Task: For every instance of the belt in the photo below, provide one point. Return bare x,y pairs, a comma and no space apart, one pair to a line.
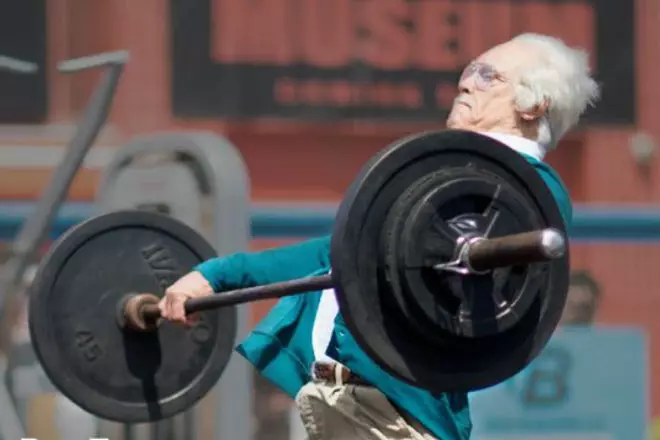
335,373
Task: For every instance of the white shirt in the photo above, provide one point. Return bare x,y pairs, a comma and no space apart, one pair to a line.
519,144
328,307
323,324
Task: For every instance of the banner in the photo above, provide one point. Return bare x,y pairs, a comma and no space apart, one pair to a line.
586,385
375,59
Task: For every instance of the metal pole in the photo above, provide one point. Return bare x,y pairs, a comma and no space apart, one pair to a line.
34,230
17,66
10,422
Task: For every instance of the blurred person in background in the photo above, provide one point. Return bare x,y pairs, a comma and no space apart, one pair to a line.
582,300
527,93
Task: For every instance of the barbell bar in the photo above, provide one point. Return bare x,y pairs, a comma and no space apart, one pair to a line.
141,311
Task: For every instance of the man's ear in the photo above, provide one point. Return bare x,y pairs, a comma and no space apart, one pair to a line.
536,112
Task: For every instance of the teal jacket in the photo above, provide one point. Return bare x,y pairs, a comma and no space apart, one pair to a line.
280,347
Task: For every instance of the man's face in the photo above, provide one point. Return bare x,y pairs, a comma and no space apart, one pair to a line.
580,306
486,100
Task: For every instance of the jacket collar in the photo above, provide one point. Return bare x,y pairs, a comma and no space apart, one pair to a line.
519,144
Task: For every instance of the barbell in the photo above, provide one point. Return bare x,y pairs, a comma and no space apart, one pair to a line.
449,264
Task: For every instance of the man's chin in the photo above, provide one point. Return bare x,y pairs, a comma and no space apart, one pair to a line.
453,124
459,125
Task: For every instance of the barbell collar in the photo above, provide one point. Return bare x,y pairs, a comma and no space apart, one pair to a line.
133,312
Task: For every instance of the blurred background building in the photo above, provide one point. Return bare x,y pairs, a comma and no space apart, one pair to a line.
307,90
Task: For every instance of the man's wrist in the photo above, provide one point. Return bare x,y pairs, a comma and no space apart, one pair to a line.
211,271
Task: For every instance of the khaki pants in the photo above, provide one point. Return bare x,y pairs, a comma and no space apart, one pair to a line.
353,412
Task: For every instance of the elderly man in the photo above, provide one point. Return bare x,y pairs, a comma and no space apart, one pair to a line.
526,93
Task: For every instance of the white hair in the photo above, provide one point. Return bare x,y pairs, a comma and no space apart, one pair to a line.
562,78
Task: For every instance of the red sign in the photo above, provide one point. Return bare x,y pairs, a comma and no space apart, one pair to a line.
428,35
392,59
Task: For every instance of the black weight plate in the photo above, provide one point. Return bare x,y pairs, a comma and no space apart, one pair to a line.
434,358
125,375
423,228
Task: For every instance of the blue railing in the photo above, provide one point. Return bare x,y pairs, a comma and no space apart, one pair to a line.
602,223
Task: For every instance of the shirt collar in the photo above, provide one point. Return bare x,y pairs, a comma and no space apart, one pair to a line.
520,144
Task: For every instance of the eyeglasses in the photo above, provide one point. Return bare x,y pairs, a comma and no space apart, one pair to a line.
485,74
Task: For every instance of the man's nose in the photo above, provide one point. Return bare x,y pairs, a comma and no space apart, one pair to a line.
466,84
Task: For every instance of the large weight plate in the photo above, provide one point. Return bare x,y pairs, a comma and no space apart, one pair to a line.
401,215
423,228
117,374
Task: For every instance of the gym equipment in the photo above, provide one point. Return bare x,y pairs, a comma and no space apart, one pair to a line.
11,423
449,262
34,231
11,64
198,178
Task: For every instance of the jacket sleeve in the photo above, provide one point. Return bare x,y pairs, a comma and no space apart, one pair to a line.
560,192
248,269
